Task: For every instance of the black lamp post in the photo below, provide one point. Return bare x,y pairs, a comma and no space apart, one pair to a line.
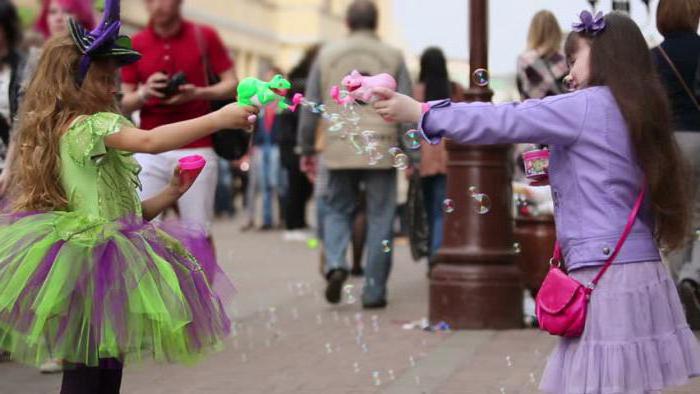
622,6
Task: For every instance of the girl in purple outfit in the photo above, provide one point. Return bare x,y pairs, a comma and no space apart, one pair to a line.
607,140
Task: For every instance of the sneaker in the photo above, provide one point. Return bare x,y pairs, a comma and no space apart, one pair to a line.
688,291
336,278
51,366
295,236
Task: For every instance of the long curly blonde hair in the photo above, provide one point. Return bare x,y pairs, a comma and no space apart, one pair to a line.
52,101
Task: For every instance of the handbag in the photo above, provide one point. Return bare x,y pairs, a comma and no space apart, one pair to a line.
229,144
562,301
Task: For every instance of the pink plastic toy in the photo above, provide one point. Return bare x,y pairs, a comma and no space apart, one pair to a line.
335,95
190,167
537,164
360,87
296,101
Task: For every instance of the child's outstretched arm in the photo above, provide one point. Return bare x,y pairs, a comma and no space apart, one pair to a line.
155,205
554,120
177,135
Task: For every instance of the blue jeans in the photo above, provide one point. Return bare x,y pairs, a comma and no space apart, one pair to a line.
223,201
341,201
434,194
267,169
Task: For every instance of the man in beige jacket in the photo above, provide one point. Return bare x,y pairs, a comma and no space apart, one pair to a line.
348,172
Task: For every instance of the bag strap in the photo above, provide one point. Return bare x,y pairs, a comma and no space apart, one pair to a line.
551,74
680,77
203,53
628,228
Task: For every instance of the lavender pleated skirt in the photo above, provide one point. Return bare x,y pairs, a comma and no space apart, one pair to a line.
636,339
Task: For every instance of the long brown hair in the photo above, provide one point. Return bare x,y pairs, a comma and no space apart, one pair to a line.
544,34
52,100
621,60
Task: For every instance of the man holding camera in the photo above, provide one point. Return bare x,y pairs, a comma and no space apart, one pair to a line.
172,83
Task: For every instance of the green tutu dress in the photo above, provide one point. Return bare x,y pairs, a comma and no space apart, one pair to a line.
97,281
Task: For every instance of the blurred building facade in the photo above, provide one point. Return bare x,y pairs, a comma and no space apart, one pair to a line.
262,33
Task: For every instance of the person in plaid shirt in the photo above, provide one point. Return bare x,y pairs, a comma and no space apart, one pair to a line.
542,68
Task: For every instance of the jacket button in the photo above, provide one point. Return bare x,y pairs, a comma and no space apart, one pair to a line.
606,251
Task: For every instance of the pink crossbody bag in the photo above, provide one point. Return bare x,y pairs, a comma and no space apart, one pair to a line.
562,301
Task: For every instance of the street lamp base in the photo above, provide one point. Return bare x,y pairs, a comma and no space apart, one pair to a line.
476,296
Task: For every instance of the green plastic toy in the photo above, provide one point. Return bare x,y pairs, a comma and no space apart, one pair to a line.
252,91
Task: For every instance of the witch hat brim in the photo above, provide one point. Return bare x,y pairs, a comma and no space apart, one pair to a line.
107,44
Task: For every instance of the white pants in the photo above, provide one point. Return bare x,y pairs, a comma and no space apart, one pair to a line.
197,205
685,262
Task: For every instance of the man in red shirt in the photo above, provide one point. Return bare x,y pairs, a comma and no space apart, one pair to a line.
171,45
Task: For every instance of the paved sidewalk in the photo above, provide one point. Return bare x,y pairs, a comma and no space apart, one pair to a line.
288,340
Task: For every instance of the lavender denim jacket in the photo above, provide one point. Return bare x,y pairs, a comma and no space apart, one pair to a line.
593,171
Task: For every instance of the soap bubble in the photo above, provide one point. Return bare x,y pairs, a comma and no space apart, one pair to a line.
569,83
336,127
369,136
358,144
352,117
482,203
376,378
386,246
516,248
448,206
411,139
349,296
401,161
374,154
481,77
395,151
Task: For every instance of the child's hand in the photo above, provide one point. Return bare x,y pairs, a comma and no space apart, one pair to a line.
236,116
396,107
179,184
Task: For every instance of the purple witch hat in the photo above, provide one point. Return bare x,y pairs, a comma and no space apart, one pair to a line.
104,41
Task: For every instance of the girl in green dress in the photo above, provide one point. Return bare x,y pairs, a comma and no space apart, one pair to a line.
84,277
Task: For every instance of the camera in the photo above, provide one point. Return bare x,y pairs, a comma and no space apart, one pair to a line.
174,82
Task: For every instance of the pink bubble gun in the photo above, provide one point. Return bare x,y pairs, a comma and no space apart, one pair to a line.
360,87
190,167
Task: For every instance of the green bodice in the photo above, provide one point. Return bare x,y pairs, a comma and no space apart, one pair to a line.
99,181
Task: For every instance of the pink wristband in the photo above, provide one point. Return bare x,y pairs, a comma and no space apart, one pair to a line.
425,107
